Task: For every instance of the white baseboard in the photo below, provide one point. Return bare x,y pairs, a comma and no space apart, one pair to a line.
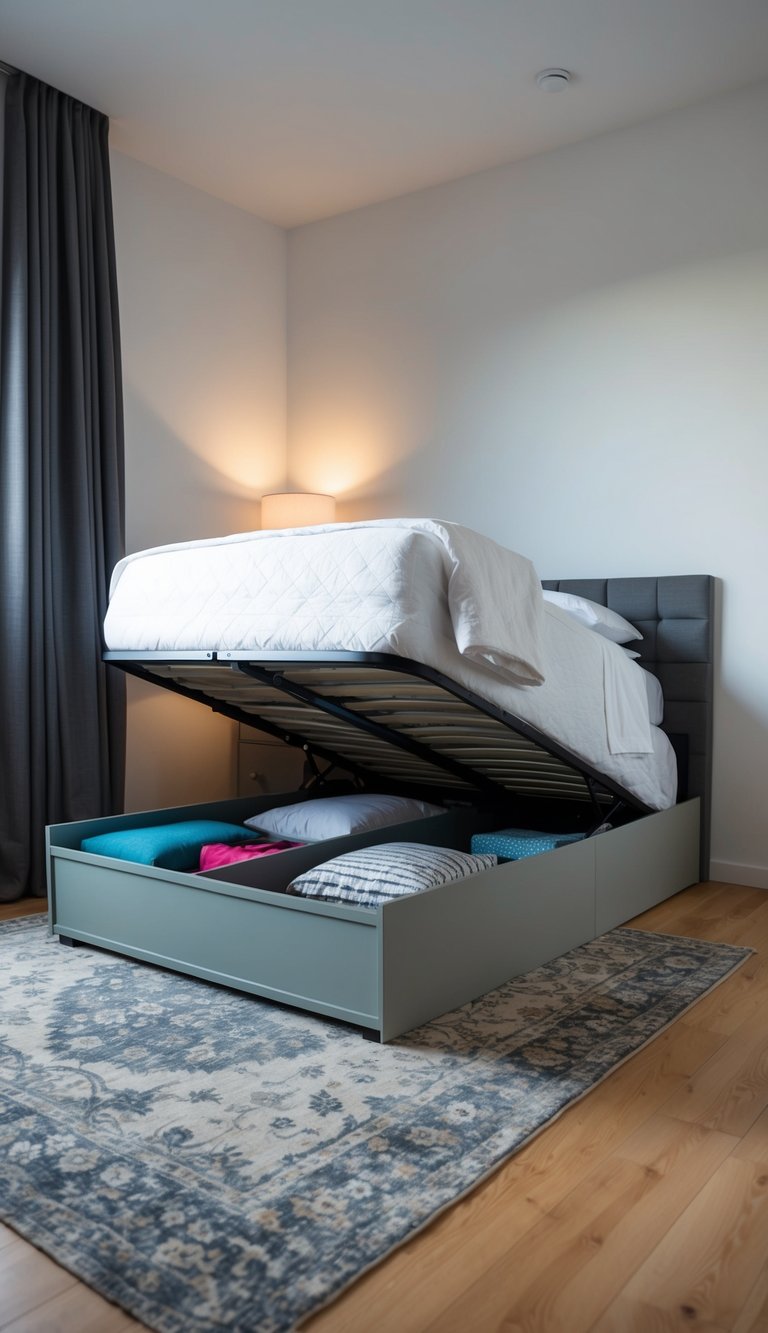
731,872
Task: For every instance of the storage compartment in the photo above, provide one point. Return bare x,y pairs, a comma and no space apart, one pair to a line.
385,969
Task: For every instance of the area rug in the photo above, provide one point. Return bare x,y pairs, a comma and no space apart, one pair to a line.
211,1161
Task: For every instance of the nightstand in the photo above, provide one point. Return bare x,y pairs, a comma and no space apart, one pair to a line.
265,764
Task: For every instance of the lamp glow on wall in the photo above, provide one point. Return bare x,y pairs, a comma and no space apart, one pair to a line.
296,509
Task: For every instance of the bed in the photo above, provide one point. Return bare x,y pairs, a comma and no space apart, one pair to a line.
393,672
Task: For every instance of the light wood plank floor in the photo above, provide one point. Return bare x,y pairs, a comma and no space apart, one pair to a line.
643,1209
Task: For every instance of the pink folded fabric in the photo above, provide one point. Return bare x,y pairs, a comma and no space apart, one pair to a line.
215,854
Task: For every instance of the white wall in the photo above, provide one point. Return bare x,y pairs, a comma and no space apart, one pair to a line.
568,354
202,313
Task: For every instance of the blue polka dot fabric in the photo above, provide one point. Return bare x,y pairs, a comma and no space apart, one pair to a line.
512,844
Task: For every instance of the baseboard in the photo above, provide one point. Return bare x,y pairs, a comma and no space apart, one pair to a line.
731,872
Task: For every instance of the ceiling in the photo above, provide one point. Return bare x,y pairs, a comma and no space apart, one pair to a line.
299,109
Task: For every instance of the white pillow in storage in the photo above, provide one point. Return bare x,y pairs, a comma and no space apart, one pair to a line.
388,870
338,816
599,618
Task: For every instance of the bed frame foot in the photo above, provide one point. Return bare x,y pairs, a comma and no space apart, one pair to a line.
370,1034
67,939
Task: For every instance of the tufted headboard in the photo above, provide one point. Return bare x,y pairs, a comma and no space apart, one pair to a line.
675,615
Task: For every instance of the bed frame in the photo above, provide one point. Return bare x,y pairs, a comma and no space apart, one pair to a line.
393,724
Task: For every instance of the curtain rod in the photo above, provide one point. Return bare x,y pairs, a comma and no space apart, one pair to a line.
7,69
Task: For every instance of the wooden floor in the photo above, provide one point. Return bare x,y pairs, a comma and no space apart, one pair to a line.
643,1209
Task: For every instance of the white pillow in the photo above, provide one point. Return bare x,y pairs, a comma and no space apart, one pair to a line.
389,870
338,816
599,618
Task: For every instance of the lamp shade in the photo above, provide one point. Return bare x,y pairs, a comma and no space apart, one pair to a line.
296,509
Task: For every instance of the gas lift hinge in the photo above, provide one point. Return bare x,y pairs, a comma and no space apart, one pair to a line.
603,816
314,776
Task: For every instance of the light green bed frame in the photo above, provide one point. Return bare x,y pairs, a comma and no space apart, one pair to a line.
385,970
389,969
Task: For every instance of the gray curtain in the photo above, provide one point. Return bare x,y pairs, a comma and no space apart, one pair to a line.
62,713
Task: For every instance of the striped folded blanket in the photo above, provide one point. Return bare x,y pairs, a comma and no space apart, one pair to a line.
376,875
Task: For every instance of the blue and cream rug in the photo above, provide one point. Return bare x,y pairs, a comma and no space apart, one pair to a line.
211,1161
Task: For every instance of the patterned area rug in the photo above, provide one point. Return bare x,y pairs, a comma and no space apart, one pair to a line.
211,1161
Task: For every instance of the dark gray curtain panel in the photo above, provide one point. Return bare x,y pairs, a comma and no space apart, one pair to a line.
62,713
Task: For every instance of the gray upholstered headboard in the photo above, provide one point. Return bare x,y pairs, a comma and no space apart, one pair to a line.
676,617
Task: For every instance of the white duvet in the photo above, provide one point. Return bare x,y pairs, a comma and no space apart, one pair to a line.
435,592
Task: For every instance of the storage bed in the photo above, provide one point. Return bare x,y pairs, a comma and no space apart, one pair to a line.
396,724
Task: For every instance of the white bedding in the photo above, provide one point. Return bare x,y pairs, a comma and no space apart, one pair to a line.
371,585
434,592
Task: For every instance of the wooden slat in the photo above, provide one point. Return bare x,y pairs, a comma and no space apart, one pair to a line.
703,1270
25,907
564,1272
76,1310
731,1089
28,1278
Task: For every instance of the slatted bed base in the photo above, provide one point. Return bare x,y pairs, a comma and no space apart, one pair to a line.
383,717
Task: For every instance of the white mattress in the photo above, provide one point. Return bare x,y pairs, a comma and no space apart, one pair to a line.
437,593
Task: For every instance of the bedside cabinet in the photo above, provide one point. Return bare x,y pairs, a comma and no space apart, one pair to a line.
265,764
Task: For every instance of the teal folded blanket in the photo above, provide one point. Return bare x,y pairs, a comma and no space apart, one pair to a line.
169,846
512,844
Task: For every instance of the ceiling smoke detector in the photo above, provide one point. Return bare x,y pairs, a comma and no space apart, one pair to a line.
553,80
